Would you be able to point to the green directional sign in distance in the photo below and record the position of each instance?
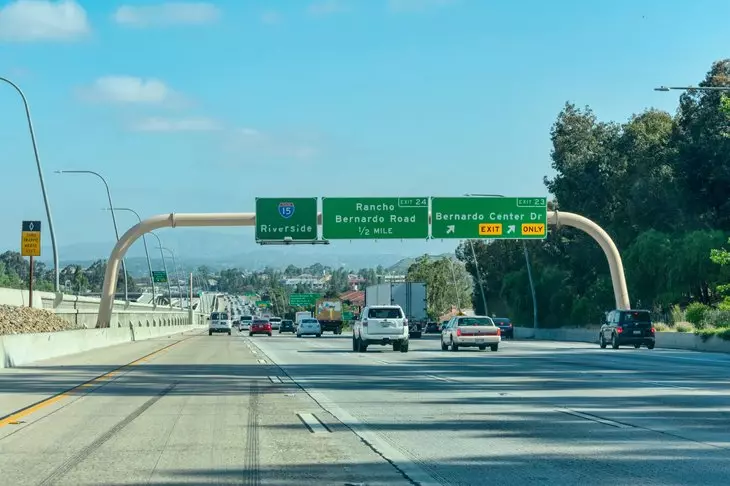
(263, 303)
(303, 300)
(348, 316)
(278, 219)
(508, 218)
(159, 276)
(374, 218)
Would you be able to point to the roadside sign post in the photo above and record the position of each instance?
(30, 246)
(374, 218)
(499, 218)
(286, 219)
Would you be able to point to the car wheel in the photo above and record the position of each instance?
(210, 333)
(250, 334)
(229, 333)
(454, 346)
(614, 342)
(650, 346)
(396, 345)
(494, 347)
(404, 347)
(602, 341)
(482, 348)
(444, 346)
(319, 335)
(354, 344)
(362, 346)
(637, 346)
(299, 335)
(269, 334)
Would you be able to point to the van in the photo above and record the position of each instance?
(220, 322)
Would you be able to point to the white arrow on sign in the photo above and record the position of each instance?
(450, 229)
(511, 228)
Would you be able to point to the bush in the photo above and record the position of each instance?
(662, 327)
(695, 313)
(724, 305)
(722, 333)
(717, 318)
(677, 314)
(684, 328)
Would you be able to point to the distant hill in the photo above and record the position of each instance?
(401, 267)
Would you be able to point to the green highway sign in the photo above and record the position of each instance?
(159, 276)
(278, 219)
(303, 300)
(374, 218)
(263, 303)
(348, 316)
(508, 218)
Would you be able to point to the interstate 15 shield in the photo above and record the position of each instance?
(286, 209)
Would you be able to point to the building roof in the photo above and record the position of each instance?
(357, 297)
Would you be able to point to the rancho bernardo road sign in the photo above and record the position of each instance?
(374, 218)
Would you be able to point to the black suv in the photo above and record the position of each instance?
(287, 325)
(626, 327)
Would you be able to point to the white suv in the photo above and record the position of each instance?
(383, 325)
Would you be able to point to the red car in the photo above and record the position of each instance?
(260, 326)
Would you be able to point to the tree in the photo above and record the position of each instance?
(447, 284)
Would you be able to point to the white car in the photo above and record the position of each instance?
(220, 322)
(246, 323)
(383, 325)
(275, 322)
(309, 327)
(470, 331)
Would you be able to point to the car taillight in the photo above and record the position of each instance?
(499, 332)
(365, 322)
(458, 331)
(510, 324)
(405, 322)
(653, 330)
(619, 330)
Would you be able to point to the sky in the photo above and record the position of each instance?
(202, 107)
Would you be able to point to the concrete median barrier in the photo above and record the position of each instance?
(21, 349)
(666, 340)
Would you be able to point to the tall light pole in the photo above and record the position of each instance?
(114, 218)
(527, 262)
(164, 266)
(56, 262)
(146, 251)
(177, 275)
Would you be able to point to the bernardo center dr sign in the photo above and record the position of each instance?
(489, 217)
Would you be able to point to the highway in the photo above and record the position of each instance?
(288, 411)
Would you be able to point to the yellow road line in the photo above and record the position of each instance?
(14, 417)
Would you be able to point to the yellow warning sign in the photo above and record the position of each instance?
(30, 244)
(533, 229)
(490, 229)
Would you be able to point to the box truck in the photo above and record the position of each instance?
(412, 298)
(329, 315)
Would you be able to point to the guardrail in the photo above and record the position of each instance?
(668, 340)
(83, 311)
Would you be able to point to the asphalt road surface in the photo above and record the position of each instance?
(279, 410)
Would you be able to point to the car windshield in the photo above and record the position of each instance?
(246, 318)
(286, 321)
(475, 321)
(309, 321)
(385, 313)
(275, 319)
(260, 322)
(219, 316)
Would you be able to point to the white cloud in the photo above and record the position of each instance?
(271, 17)
(43, 20)
(166, 14)
(128, 90)
(327, 7)
(416, 5)
(193, 124)
(256, 143)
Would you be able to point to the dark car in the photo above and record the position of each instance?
(287, 325)
(260, 326)
(505, 324)
(432, 328)
(627, 327)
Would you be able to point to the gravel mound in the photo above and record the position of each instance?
(24, 320)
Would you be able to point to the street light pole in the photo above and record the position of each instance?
(146, 251)
(164, 266)
(527, 262)
(114, 218)
(177, 275)
(56, 262)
